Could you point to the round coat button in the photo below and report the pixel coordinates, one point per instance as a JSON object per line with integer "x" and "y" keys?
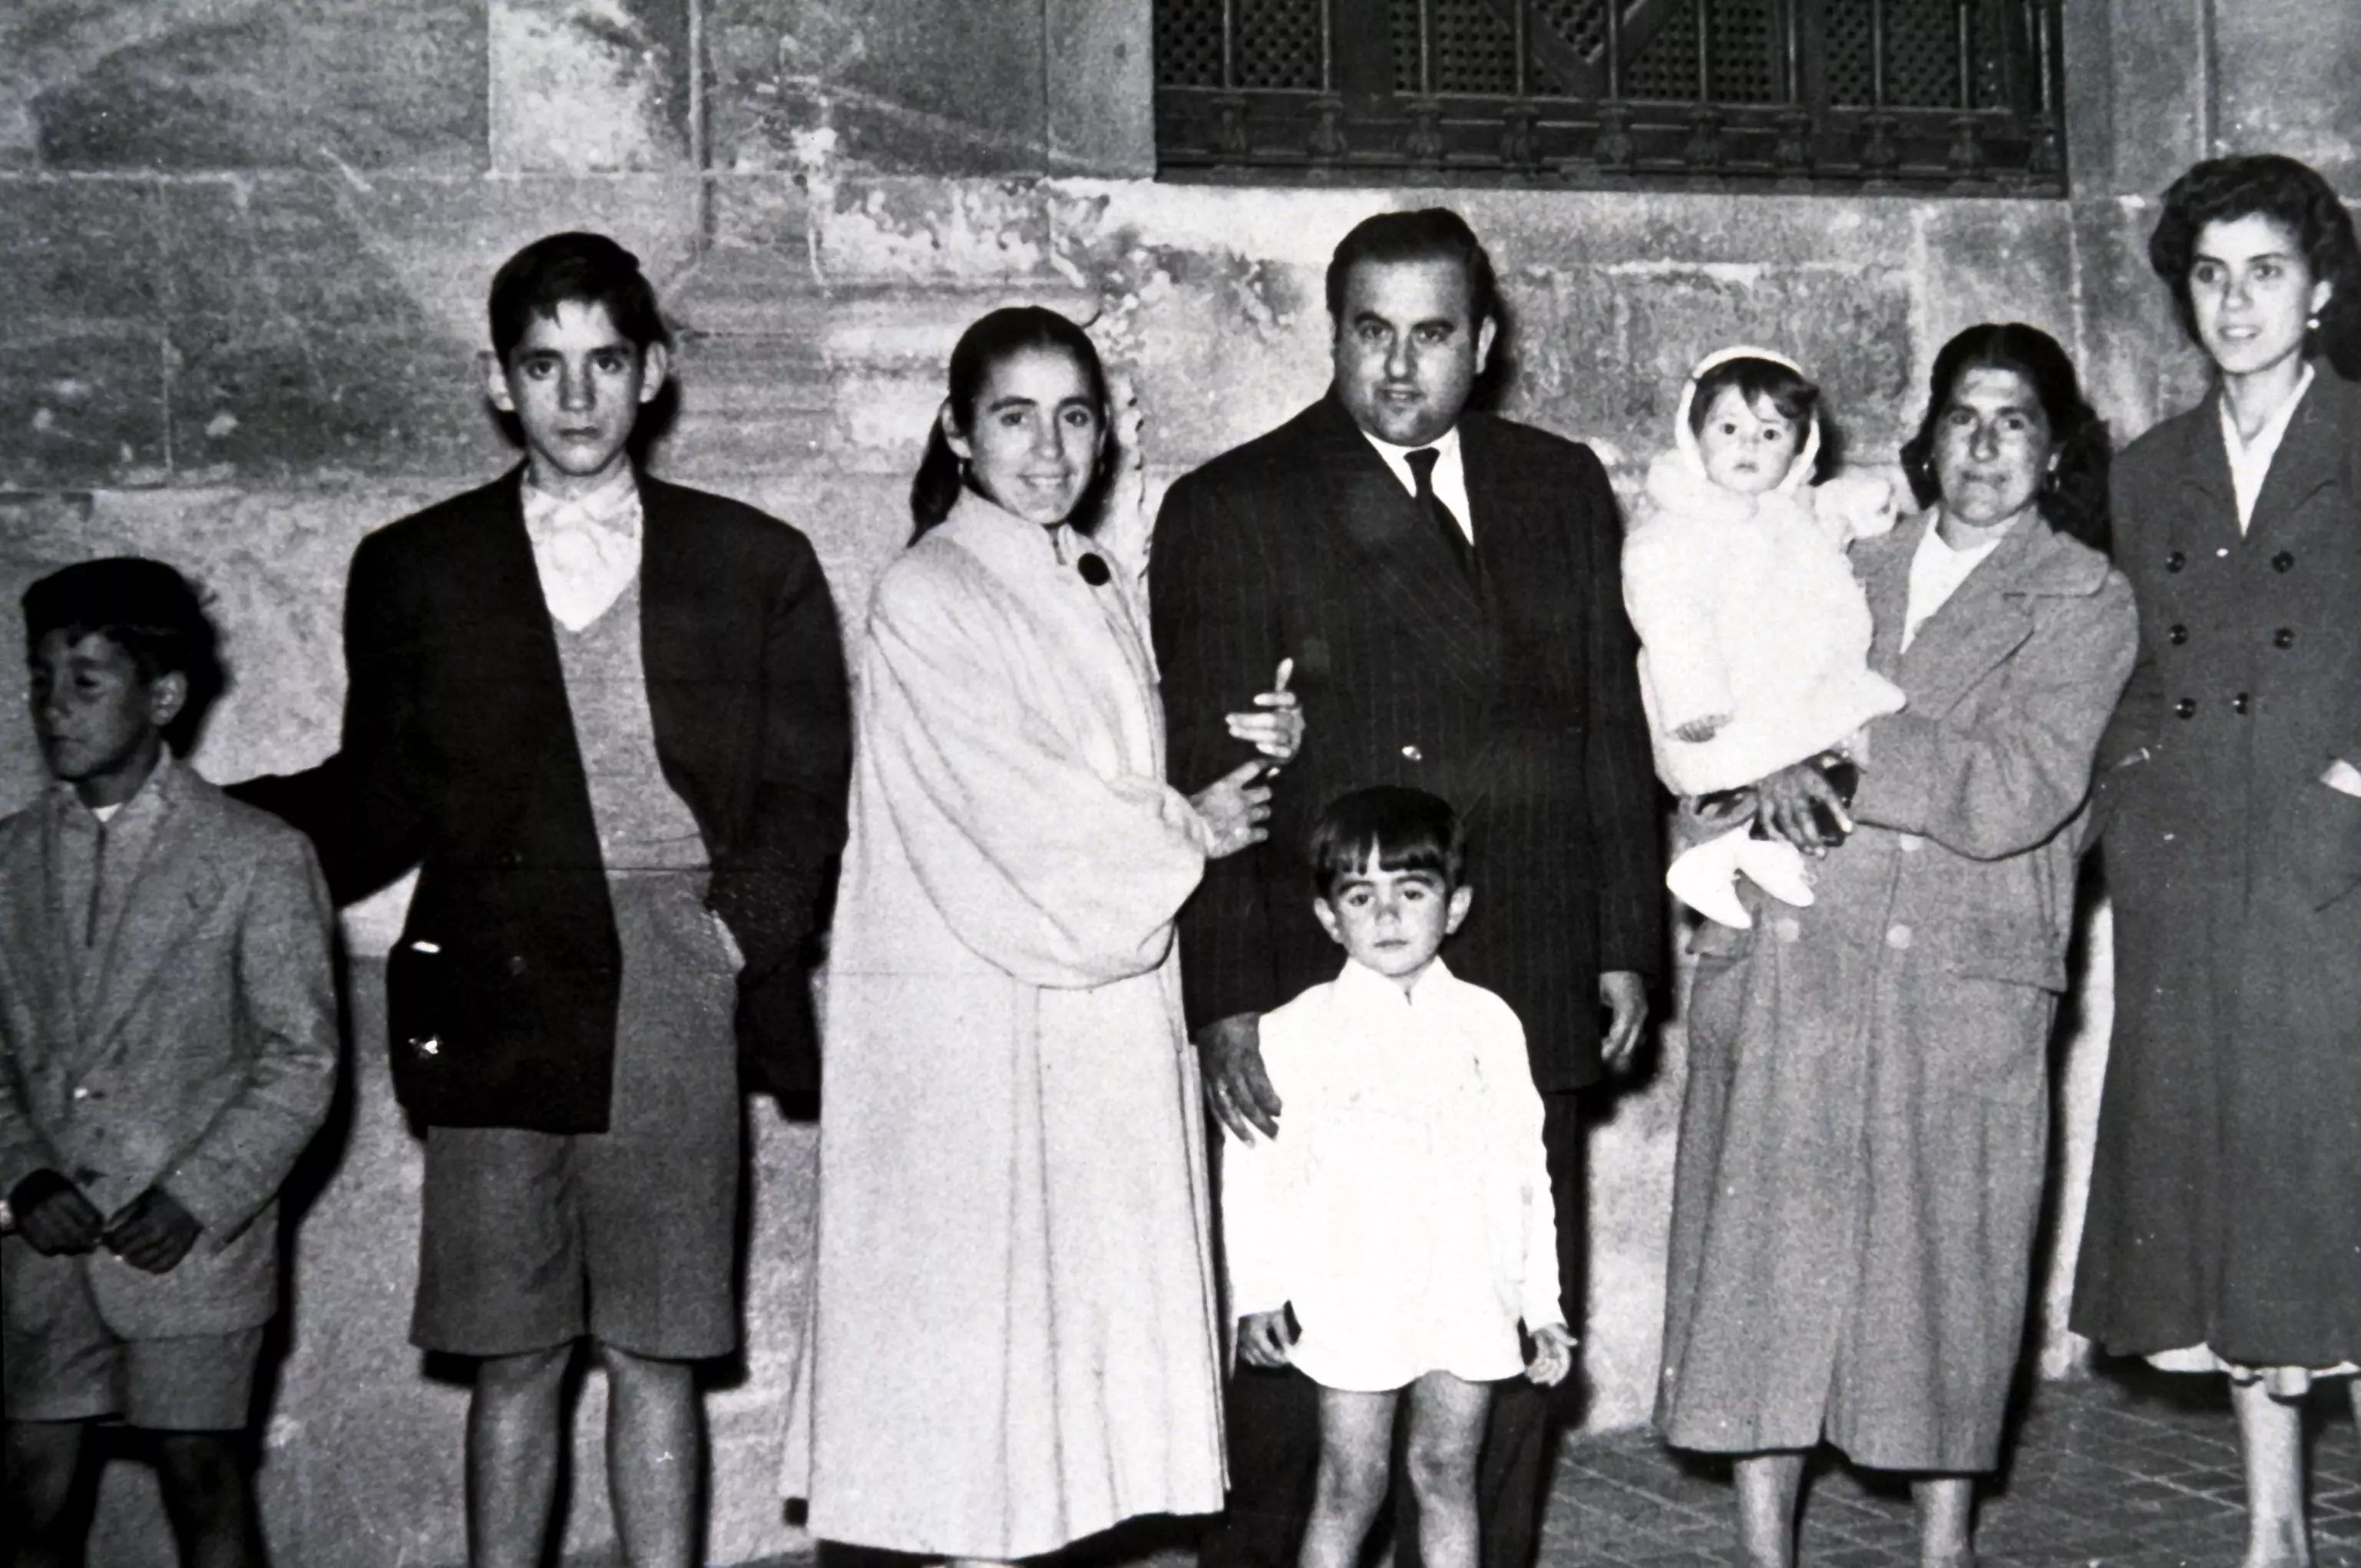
{"x": 2174, "y": 561}
{"x": 1788, "y": 928}
{"x": 1897, "y": 936}
{"x": 2283, "y": 637}
{"x": 2186, "y": 707}
{"x": 516, "y": 963}
{"x": 2282, "y": 561}
{"x": 2176, "y": 635}
{"x": 1911, "y": 843}
{"x": 2239, "y": 703}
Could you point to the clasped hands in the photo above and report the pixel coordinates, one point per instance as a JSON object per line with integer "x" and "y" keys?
{"x": 1265, "y": 1340}
{"x": 152, "y": 1232}
{"x": 1236, "y": 806}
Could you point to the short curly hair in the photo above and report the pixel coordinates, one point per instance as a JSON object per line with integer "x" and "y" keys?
{"x": 2289, "y": 194}
{"x": 2074, "y": 498}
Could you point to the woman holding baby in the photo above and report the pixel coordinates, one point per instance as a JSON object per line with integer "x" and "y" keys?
{"x": 1863, "y": 1142}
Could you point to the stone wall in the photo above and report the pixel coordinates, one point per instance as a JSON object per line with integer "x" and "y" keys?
{"x": 246, "y": 242}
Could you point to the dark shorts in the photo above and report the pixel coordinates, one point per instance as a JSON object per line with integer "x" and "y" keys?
{"x": 60, "y": 1361}
{"x": 531, "y": 1240}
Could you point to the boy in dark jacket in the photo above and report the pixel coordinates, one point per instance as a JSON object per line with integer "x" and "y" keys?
{"x": 604, "y": 718}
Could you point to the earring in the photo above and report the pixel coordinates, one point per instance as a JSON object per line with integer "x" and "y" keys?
{"x": 2311, "y": 323}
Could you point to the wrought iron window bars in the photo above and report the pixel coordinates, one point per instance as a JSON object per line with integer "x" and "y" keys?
{"x": 1961, "y": 95}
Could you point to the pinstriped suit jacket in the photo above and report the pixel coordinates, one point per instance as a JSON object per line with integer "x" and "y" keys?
{"x": 1515, "y": 696}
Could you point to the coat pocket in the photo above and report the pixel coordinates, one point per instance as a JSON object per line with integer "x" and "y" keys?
{"x": 2323, "y": 842}
{"x": 2013, "y": 949}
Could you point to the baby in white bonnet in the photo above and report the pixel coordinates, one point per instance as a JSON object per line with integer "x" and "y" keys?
{"x": 1755, "y": 635}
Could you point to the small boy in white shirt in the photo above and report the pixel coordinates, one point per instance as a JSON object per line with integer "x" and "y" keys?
{"x": 1396, "y": 1231}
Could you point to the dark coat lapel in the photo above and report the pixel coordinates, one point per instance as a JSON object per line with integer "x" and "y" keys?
{"x": 508, "y": 630}
{"x": 1387, "y": 532}
{"x": 2314, "y": 454}
{"x": 697, "y": 698}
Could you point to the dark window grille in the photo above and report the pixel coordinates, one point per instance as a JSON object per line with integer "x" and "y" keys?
{"x": 1790, "y": 95}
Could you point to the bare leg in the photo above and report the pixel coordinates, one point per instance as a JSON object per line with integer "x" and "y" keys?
{"x": 2270, "y": 1436}
{"x": 1447, "y": 1436}
{"x": 513, "y": 1440}
{"x": 656, "y": 1457}
{"x": 1947, "y": 1509}
{"x": 1767, "y": 1486}
{"x": 209, "y": 1499}
{"x": 1356, "y": 1443}
{"x": 44, "y": 1462}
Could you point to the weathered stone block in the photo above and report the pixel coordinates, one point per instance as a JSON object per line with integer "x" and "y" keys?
{"x": 1849, "y": 326}
{"x": 589, "y": 86}
{"x": 943, "y": 87}
{"x": 2287, "y": 83}
{"x": 244, "y": 85}
{"x": 1101, "y": 81}
{"x": 909, "y": 231}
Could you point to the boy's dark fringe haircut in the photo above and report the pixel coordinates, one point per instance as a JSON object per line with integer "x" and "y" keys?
{"x": 577, "y": 267}
{"x": 149, "y": 611}
{"x": 1408, "y": 830}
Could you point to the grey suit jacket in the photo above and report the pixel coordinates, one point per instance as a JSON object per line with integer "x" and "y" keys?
{"x": 203, "y": 1061}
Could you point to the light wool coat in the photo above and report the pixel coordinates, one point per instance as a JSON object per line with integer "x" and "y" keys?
{"x": 1861, "y": 1145}
{"x": 203, "y": 1062}
{"x": 1014, "y": 1342}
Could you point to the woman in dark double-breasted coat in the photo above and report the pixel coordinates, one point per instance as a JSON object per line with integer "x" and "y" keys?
{"x": 1861, "y": 1147}
{"x": 2223, "y": 1231}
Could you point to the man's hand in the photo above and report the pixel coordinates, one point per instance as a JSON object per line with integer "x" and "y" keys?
{"x": 1263, "y": 1338}
{"x": 153, "y": 1231}
{"x": 1229, "y": 1053}
{"x": 1784, "y": 804}
{"x": 1552, "y": 1355}
{"x": 53, "y": 1216}
{"x": 1625, "y": 996}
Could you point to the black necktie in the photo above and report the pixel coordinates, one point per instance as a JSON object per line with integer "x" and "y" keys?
{"x": 1421, "y": 468}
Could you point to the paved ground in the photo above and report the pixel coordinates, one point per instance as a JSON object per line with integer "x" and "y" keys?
{"x": 2103, "y": 1474}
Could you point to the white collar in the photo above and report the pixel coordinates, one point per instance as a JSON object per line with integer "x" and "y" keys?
{"x": 1364, "y": 987}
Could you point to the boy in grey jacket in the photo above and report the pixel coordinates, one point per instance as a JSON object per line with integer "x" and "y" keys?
{"x": 168, "y": 1046}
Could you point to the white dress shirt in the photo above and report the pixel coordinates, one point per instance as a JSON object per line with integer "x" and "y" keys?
{"x": 1935, "y": 573}
{"x": 1404, "y": 1208}
{"x": 2250, "y": 461}
{"x": 1450, "y": 474}
{"x": 587, "y": 547}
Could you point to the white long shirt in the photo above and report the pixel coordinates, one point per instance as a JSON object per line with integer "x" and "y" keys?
{"x": 1404, "y": 1208}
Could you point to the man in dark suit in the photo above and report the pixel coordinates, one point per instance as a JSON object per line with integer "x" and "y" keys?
{"x": 1446, "y": 582}
{"x": 604, "y": 718}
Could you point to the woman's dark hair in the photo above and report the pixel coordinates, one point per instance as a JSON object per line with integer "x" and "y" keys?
{"x": 579, "y": 268}
{"x": 2074, "y": 496}
{"x": 1406, "y": 830}
{"x": 149, "y": 611}
{"x": 2292, "y": 195}
{"x": 993, "y": 338}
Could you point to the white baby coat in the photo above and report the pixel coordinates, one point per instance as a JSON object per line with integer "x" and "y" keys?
{"x": 1404, "y": 1207}
{"x": 1746, "y": 607}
